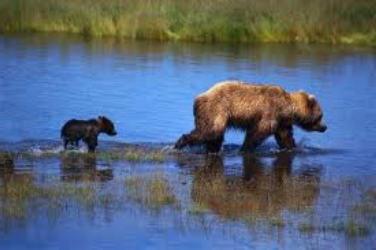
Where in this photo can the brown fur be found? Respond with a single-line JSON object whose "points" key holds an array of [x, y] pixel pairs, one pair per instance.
{"points": [[260, 110], [87, 130]]}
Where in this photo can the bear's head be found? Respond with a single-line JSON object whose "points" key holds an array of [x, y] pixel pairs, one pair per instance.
{"points": [[106, 126], [307, 112]]}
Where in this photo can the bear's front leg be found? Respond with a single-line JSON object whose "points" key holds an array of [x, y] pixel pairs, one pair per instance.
{"points": [[284, 138], [256, 135], [214, 146], [190, 139], [253, 139]]}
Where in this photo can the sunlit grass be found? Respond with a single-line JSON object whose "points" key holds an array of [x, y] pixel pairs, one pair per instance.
{"points": [[21, 197], [129, 154], [320, 21], [150, 191], [134, 155]]}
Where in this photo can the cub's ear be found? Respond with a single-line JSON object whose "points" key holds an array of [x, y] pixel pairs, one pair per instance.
{"points": [[311, 97], [100, 117]]}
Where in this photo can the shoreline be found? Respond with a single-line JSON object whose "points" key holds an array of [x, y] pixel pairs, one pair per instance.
{"points": [[216, 21]]}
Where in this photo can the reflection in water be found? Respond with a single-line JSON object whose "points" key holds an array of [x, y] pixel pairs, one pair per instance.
{"points": [[260, 191], [6, 161], [83, 167]]}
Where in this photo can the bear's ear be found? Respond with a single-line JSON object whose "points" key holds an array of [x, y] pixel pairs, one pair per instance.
{"points": [[100, 117], [311, 97], [311, 100]]}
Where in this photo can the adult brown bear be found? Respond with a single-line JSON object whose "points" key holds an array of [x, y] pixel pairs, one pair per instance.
{"points": [[260, 110]]}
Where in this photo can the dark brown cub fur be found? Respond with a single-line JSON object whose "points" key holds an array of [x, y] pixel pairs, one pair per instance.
{"points": [[259, 110], [87, 130]]}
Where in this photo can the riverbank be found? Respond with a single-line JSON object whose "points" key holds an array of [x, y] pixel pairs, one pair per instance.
{"points": [[288, 21]]}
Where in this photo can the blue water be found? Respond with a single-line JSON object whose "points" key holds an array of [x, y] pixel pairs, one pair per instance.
{"points": [[147, 89]]}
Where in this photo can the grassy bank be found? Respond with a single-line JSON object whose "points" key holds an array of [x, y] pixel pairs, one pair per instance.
{"points": [[335, 21]]}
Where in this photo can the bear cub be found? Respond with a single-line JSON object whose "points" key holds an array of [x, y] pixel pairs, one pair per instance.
{"points": [[259, 110], [87, 130]]}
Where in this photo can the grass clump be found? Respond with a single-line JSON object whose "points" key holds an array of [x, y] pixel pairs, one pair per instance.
{"points": [[22, 197], [350, 227], [150, 191], [198, 209], [354, 229], [335, 21], [134, 155], [6, 160], [306, 227], [277, 222], [367, 206]]}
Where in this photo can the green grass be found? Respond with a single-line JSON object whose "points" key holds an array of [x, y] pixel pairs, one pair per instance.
{"points": [[129, 154], [150, 191], [134, 155], [351, 228], [21, 196], [320, 21]]}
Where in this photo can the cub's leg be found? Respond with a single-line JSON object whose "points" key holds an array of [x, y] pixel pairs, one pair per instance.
{"points": [[91, 143], [284, 138], [65, 141]]}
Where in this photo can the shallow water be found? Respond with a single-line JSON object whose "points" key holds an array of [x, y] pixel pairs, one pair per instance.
{"points": [[147, 89]]}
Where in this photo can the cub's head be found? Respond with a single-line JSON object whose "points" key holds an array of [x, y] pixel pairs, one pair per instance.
{"points": [[307, 112], [106, 126]]}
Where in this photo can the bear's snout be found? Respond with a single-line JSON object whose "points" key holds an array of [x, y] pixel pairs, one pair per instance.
{"points": [[113, 133], [322, 128]]}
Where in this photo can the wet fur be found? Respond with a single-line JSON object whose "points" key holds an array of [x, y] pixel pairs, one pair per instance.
{"points": [[87, 130], [259, 110]]}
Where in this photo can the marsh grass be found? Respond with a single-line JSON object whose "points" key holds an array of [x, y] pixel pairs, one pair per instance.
{"points": [[6, 160], [322, 21], [132, 154], [21, 197], [350, 227], [153, 192], [198, 209], [367, 205]]}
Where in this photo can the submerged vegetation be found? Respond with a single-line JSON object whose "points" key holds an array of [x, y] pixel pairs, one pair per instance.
{"points": [[151, 191], [132, 154], [265, 196], [22, 197], [336, 21]]}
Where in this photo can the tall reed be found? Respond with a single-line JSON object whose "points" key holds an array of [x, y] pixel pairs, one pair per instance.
{"points": [[321, 21]]}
